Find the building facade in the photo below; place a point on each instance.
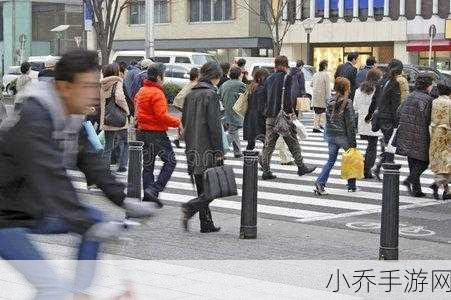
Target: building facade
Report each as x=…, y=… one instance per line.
x=25, y=28
x=385, y=29
x=221, y=27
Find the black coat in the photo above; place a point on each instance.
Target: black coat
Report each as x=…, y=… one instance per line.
x=341, y=123
x=387, y=99
x=348, y=71
x=297, y=84
x=202, y=123
x=413, y=136
x=254, y=121
x=33, y=180
x=273, y=94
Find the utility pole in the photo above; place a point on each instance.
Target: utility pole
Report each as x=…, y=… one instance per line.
x=150, y=39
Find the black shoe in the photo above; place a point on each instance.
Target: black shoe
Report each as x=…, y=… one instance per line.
x=419, y=194
x=268, y=175
x=408, y=186
x=210, y=227
x=368, y=176
x=316, y=130
x=352, y=190
x=290, y=163
x=187, y=214
x=238, y=155
x=121, y=170
x=377, y=173
x=434, y=188
x=321, y=127
x=446, y=196
x=304, y=169
x=177, y=143
x=150, y=196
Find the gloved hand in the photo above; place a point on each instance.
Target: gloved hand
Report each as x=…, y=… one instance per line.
x=104, y=231
x=135, y=208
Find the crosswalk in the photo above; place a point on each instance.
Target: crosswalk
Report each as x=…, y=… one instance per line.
x=291, y=197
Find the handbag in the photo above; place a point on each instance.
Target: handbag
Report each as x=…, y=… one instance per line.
x=241, y=105
x=303, y=104
x=352, y=164
x=219, y=182
x=283, y=124
x=115, y=116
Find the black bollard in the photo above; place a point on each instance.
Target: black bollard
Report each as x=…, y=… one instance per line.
x=248, y=229
x=390, y=213
x=134, y=169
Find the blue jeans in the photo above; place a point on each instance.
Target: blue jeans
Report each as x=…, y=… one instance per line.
x=117, y=139
x=156, y=144
x=22, y=254
x=335, y=143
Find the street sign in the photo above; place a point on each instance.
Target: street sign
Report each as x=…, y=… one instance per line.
x=432, y=31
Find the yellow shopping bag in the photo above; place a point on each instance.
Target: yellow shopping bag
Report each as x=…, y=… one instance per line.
x=352, y=164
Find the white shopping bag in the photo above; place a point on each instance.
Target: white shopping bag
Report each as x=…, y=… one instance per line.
x=300, y=129
x=390, y=148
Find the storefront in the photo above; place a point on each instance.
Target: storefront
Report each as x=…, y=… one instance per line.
x=337, y=54
x=441, y=53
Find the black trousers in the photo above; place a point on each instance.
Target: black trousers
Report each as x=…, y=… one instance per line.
x=371, y=153
x=416, y=168
x=200, y=204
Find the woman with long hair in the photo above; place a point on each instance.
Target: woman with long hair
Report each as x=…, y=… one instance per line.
x=321, y=93
x=254, y=126
x=362, y=103
x=340, y=131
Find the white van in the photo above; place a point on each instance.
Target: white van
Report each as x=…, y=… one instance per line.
x=167, y=57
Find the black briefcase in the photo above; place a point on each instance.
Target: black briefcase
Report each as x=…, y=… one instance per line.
x=219, y=182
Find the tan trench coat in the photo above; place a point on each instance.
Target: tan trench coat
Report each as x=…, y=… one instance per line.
x=440, y=148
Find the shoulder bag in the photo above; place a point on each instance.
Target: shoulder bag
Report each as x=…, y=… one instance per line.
x=115, y=116
x=219, y=182
x=241, y=105
x=283, y=124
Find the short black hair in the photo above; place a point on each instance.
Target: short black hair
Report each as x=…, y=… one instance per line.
x=76, y=62
x=353, y=55
x=225, y=68
x=323, y=65
x=111, y=70
x=25, y=67
x=281, y=61
x=193, y=74
x=370, y=61
x=424, y=81
x=241, y=62
x=443, y=89
x=235, y=73
x=122, y=66
x=155, y=70
x=210, y=71
x=300, y=63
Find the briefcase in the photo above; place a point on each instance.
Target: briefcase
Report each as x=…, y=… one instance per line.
x=219, y=182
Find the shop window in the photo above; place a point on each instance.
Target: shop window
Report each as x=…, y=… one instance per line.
x=348, y=12
x=210, y=10
x=264, y=13
x=378, y=9
x=138, y=12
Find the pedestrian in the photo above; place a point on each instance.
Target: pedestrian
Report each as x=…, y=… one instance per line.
x=440, y=149
x=203, y=136
x=48, y=73
x=362, y=102
x=275, y=84
x=298, y=81
x=254, y=121
x=137, y=81
x=112, y=90
x=404, y=87
x=348, y=70
x=340, y=130
x=24, y=78
x=361, y=74
x=241, y=63
x=413, y=138
x=386, y=101
x=180, y=98
x=320, y=95
x=132, y=72
x=225, y=73
x=230, y=92
x=37, y=196
x=153, y=121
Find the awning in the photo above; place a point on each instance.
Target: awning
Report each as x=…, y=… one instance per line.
x=418, y=46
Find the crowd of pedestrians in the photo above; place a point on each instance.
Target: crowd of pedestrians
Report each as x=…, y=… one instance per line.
x=51, y=116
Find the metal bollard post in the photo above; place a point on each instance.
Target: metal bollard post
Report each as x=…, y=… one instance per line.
x=390, y=213
x=135, y=169
x=248, y=229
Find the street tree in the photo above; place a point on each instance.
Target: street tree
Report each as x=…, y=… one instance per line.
x=277, y=15
x=107, y=14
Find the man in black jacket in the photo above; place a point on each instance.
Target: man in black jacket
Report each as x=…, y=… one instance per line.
x=349, y=71
x=298, y=81
x=273, y=94
x=361, y=75
x=37, y=145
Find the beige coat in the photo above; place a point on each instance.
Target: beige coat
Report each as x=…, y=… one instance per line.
x=105, y=92
x=321, y=89
x=440, y=148
x=404, y=87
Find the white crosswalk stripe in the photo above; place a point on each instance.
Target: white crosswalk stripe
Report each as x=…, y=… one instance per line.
x=291, y=197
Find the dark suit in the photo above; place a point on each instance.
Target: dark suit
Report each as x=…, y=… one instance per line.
x=348, y=71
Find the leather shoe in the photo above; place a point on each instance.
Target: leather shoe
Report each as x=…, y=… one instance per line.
x=304, y=169
x=268, y=176
x=150, y=196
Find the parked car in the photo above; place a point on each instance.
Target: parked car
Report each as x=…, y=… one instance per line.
x=177, y=74
x=11, y=75
x=167, y=57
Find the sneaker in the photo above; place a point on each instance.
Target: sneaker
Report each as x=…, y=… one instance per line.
x=268, y=175
x=319, y=189
x=304, y=169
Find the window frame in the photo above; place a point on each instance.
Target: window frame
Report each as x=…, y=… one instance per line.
x=212, y=12
x=142, y=14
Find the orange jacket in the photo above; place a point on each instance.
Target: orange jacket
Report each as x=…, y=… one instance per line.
x=152, y=109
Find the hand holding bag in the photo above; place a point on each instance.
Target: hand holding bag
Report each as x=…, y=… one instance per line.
x=241, y=105
x=219, y=182
x=115, y=116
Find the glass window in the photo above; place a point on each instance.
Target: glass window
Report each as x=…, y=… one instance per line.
x=161, y=12
x=263, y=10
x=182, y=60
x=206, y=10
x=218, y=10
x=178, y=72
x=138, y=12
x=161, y=59
x=200, y=59
x=210, y=10
x=194, y=11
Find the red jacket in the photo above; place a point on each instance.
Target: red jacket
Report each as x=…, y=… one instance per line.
x=152, y=109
